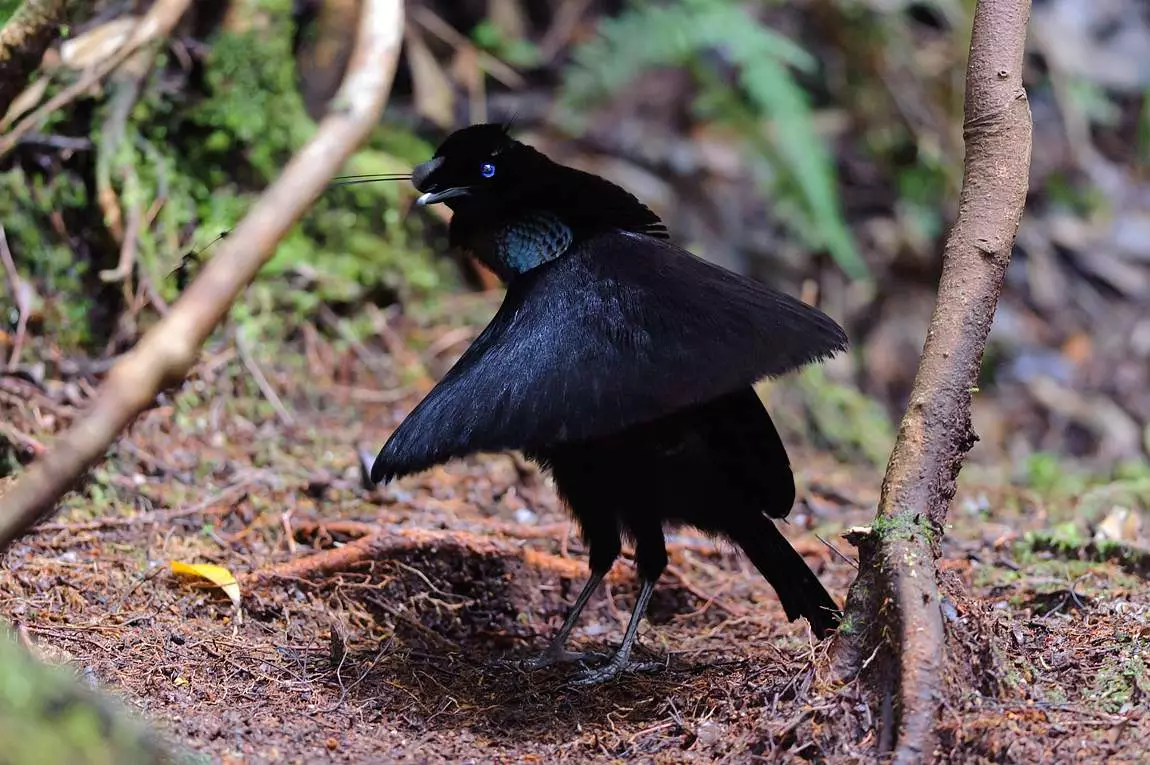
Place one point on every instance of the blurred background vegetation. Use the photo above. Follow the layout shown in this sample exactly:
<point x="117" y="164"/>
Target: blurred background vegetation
<point x="816" y="144"/>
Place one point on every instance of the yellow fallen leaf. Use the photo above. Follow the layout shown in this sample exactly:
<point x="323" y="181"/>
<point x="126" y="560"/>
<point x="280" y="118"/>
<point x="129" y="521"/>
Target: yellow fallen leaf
<point x="217" y="575"/>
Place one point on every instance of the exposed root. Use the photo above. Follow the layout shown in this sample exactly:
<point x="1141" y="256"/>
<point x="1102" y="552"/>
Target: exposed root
<point x="321" y="564"/>
<point x="375" y="543"/>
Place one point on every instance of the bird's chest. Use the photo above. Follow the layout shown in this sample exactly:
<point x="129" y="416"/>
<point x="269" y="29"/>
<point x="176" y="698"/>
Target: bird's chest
<point x="518" y="245"/>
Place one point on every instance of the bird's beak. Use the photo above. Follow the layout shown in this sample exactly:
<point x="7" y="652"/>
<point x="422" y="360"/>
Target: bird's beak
<point x="431" y="197"/>
<point x="422" y="180"/>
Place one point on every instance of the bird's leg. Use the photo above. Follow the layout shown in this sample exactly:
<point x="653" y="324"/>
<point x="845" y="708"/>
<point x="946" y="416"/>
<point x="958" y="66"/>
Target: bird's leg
<point x="650" y="560"/>
<point x="602" y="535"/>
<point x="621" y="661"/>
<point x="557" y="652"/>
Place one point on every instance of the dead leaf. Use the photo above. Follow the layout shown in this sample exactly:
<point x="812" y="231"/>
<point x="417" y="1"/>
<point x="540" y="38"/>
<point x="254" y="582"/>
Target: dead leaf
<point x="217" y="575"/>
<point x="1120" y="525"/>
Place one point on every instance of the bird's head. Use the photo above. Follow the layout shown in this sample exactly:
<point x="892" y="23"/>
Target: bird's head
<point x="473" y="166"/>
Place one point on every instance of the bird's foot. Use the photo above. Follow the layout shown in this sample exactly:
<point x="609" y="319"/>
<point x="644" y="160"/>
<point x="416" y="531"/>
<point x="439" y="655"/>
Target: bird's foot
<point x="557" y="654"/>
<point x="618" y="665"/>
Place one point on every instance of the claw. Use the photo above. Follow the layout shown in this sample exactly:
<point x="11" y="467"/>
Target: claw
<point x="621" y="661"/>
<point x="612" y="670"/>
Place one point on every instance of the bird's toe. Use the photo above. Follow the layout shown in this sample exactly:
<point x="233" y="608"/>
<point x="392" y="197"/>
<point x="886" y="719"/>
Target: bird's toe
<point x="612" y="670"/>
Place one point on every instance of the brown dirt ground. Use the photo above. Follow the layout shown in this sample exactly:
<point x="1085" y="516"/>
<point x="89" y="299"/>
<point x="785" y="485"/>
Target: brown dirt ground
<point x="409" y="657"/>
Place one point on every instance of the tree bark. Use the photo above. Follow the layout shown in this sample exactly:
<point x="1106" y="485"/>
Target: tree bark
<point x="26" y="36"/>
<point x="895" y="602"/>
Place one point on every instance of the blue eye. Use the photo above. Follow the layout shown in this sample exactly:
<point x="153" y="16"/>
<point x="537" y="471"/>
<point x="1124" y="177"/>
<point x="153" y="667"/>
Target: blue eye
<point x="487" y="170"/>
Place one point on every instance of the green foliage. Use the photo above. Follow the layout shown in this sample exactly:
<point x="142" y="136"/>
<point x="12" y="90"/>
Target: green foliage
<point x="1046" y="474"/>
<point x="523" y="53"/>
<point x="798" y="168"/>
<point x="920" y="187"/>
<point x="254" y="102"/>
<point x="1083" y="494"/>
<point x="208" y="153"/>
<point x="1065" y="538"/>
<point x="844" y="420"/>
<point x="27" y="203"/>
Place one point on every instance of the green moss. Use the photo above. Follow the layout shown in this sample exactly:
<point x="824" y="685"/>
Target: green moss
<point x="27" y="206"/>
<point x="47" y="718"/>
<point x="850" y="624"/>
<point x="904" y="527"/>
<point x="790" y="162"/>
<point x="1052" y="477"/>
<point x="208" y="153"/>
<point x="843" y="420"/>
<point x="1124" y="677"/>
<point x="1064" y="538"/>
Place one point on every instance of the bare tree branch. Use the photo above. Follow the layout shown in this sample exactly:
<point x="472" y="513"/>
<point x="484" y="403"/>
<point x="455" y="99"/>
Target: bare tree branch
<point x="26" y="36"/>
<point x="896" y="598"/>
<point x="166" y="353"/>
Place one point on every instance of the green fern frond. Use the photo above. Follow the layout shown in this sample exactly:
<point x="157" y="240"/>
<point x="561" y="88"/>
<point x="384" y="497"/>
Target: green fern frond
<point x="647" y="36"/>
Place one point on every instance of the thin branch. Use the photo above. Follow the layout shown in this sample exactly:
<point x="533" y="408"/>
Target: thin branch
<point x="897" y="594"/>
<point x="167" y="352"/>
<point x="19" y="299"/>
<point x="245" y="353"/>
<point x="26" y="36"/>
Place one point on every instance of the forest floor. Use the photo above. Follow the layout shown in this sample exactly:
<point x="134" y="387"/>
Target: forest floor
<point x="409" y="655"/>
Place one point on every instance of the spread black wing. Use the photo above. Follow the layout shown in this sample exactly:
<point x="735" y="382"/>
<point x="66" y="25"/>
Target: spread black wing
<point x="622" y="330"/>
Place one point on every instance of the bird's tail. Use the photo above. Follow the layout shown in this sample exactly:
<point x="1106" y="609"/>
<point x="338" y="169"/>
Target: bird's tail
<point x="799" y="590"/>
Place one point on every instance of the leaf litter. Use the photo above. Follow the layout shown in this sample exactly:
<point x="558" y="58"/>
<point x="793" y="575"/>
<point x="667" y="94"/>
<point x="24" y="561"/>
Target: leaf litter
<point x="387" y="623"/>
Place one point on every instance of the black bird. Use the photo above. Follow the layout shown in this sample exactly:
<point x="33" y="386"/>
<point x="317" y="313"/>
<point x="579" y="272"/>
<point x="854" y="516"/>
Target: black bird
<point x="623" y="363"/>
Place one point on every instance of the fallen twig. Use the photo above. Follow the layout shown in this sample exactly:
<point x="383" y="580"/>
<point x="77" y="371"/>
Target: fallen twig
<point x="28" y="442"/>
<point x="168" y="351"/>
<point x="257" y="374"/>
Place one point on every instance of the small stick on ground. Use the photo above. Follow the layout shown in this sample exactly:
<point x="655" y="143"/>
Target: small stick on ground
<point x="22" y="438"/>
<point x="261" y="380"/>
<point x="384" y="544"/>
<point x="354" y="529"/>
